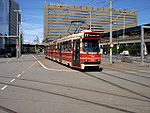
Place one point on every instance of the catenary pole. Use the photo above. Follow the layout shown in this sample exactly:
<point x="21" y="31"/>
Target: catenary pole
<point x="142" y="44"/>
<point x="110" y="31"/>
<point x="90" y="19"/>
<point x="17" y="51"/>
<point x="17" y="36"/>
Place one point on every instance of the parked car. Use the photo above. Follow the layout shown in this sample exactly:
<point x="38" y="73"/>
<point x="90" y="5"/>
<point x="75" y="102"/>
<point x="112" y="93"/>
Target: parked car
<point x="8" y="55"/>
<point x="125" y="53"/>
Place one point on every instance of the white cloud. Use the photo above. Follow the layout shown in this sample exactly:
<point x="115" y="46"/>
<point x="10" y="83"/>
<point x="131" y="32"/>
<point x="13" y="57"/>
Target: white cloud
<point x="34" y="31"/>
<point x="27" y="41"/>
<point x="31" y="30"/>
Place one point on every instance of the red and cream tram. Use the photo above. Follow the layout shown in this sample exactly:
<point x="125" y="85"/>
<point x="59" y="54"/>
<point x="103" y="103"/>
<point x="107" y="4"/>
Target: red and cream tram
<point x="78" y="50"/>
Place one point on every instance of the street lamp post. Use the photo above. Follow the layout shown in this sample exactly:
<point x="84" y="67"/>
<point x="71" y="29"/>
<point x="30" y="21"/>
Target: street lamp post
<point x="90" y="20"/>
<point x="124" y="21"/>
<point x="117" y="36"/>
<point x="111" y="27"/>
<point x="124" y="24"/>
<point x="18" y="37"/>
<point x="110" y="31"/>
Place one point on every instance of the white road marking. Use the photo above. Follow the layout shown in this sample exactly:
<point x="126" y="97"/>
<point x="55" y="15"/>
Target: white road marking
<point x="51" y="69"/>
<point x="12" y="80"/>
<point x="25" y="70"/>
<point x="31" y="65"/>
<point x="18" y="75"/>
<point x="4" y="87"/>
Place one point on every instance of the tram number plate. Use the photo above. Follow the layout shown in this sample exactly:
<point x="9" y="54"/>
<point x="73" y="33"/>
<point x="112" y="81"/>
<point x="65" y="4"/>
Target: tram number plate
<point x="91" y="35"/>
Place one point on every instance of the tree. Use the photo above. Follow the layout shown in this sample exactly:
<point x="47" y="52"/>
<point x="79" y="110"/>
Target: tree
<point x="36" y="40"/>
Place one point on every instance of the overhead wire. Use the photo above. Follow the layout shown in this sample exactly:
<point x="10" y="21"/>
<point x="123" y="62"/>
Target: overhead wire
<point x="109" y="4"/>
<point x="92" y="2"/>
<point x="141" y="10"/>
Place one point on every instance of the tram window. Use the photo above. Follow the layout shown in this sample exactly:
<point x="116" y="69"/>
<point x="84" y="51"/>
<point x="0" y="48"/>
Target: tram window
<point x="60" y="47"/>
<point x="63" y="47"/>
<point x="66" y="46"/>
<point x="69" y="46"/>
<point x="90" y="46"/>
<point x="51" y="47"/>
<point x="57" y="47"/>
<point x="54" y="47"/>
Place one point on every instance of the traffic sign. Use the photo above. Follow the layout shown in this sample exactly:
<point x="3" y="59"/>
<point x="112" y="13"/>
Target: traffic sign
<point x="17" y="46"/>
<point x="111" y="45"/>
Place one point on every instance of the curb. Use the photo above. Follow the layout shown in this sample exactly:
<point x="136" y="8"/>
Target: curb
<point x="51" y="69"/>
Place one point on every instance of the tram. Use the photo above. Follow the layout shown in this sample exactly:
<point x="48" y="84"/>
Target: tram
<point x="79" y="50"/>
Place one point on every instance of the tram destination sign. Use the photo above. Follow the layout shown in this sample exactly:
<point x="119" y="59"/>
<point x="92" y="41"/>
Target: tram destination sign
<point x="92" y="35"/>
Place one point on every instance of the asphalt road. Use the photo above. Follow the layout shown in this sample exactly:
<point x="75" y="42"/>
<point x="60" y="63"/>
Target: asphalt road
<point x="33" y="84"/>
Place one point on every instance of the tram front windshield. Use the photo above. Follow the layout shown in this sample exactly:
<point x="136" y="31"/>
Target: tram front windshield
<point x="90" y="46"/>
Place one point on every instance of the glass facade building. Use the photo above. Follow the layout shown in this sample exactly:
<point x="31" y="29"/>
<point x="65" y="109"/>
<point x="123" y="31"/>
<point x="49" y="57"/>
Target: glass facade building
<point x="4" y="17"/>
<point x="4" y="22"/>
<point x="8" y="25"/>
<point x="13" y="5"/>
<point x="58" y="17"/>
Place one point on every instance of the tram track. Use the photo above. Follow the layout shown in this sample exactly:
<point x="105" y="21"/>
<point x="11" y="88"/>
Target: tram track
<point x="7" y="109"/>
<point x="70" y="97"/>
<point x="145" y="85"/>
<point x="80" y="99"/>
<point x="79" y="88"/>
<point x="118" y="86"/>
<point x="148" y="86"/>
<point x="127" y="68"/>
<point x="110" y="106"/>
<point x="125" y="71"/>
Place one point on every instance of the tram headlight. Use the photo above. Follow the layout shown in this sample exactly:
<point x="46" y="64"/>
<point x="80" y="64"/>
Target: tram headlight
<point x="86" y="60"/>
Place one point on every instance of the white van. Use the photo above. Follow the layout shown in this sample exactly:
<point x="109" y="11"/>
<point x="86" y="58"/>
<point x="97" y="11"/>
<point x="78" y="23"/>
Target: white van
<point x="126" y="53"/>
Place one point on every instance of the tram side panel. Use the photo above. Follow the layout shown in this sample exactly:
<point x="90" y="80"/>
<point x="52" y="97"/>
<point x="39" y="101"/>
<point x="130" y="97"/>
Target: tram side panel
<point x="70" y="52"/>
<point x="75" y="57"/>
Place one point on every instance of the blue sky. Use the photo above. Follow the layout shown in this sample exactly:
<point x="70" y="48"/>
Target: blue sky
<point x="32" y="13"/>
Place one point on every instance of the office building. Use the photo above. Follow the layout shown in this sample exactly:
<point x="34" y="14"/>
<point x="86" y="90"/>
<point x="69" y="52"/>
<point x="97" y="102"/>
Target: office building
<point x="58" y="17"/>
<point x="4" y="25"/>
<point x="8" y="23"/>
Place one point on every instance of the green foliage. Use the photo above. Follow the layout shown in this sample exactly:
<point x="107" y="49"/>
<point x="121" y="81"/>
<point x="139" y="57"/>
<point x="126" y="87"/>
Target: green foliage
<point x="122" y="47"/>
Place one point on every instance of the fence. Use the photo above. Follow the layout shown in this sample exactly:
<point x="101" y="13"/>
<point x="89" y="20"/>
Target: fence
<point x="128" y="59"/>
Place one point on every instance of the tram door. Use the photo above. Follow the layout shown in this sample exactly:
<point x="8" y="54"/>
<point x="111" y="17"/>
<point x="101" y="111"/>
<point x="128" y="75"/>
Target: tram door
<point x="60" y="52"/>
<point x="76" y="53"/>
